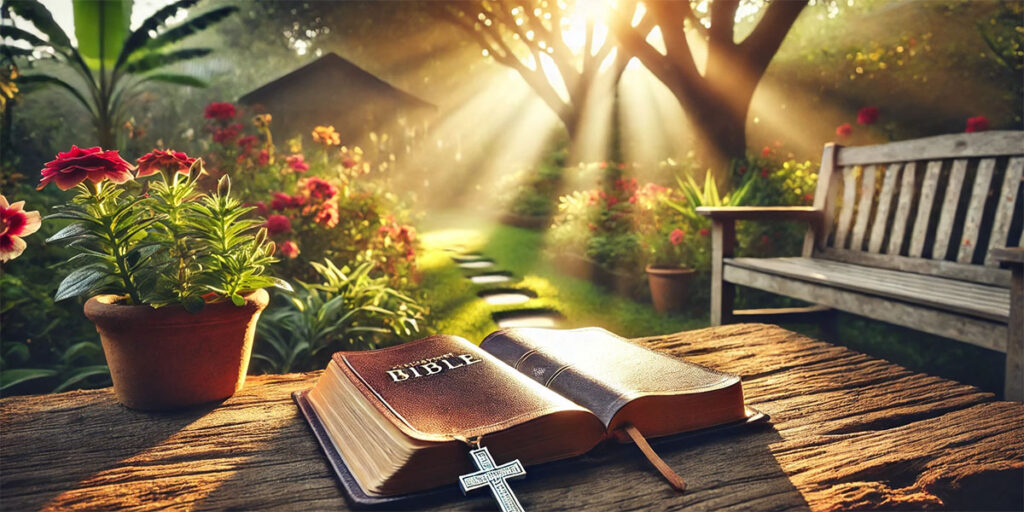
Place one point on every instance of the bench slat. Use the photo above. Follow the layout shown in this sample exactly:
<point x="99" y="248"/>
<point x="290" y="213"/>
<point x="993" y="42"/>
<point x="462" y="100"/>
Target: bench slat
<point x="884" y="204"/>
<point x="949" y="207"/>
<point x="979" y="332"/>
<point x="971" y="299"/>
<point x="949" y="269"/>
<point x="975" y="210"/>
<point x="958" y="145"/>
<point x="924" y="208"/>
<point x="846" y="213"/>
<point x="1004" y="209"/>
<point x="867" y="197"/>
<point x="899" y="223"/>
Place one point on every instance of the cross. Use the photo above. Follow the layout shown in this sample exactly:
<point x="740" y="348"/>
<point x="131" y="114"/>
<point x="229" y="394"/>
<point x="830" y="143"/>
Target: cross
<point x="495" y="477"/>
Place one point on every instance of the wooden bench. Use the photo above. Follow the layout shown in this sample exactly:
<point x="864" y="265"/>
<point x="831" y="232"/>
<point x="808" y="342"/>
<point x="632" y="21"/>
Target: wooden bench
<point x="911" y="233"/>
<point x="848" y="432"/>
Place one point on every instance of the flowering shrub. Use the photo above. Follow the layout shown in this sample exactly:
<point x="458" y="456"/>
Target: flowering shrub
<point x="332" y="207"/>
<point x="169" y="245"/>
<point x="976" y="124"/>
<point x="787" y="183"/>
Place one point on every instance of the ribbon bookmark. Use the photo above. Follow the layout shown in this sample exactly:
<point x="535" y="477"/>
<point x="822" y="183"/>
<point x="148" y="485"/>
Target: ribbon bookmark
<point x="674" y="480"/>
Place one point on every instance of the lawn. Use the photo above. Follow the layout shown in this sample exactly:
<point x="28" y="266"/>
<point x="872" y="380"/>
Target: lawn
<point x="456" y="309"/>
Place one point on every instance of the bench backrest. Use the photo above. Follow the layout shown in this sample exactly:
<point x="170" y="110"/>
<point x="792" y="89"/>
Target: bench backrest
<point x="935" y="205"/>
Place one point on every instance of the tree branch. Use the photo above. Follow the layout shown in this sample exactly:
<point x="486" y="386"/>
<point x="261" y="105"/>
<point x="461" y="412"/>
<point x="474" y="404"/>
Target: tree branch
<point x="762" y="44"/>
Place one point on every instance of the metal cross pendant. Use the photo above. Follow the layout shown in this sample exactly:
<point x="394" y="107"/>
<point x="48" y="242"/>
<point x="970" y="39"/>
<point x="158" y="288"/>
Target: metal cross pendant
<point x="495" y="477"/>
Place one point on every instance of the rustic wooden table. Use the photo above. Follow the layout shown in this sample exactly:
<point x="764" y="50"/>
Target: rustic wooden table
<point x="850" y="432"/>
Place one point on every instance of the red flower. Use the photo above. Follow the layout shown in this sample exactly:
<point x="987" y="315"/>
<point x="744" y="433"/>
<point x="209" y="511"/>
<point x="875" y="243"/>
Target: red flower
<point x="327" y="215"/>
<point x="220" y="110"/>
<point x="282" y="201"/>
<point x="703" y="231"/>
<point x="977" y="124"/>
<point x="227" y="134"/>
<point x="297" y="163"/>
<point x="261" y="208"/>
<point x="844" y="130"/>
<point x="742" y="170"/>
<point x="621" y="166"/>
<point x="318" y="188"/>
<point x="765" y="151"/>
<point x="602" y="165"/>
<point x="867" y="115"/>
<point x="248" y="141"/>
<point x="15" y="223"/>
<point x="278" y="224"/>
<point x="289" y="249"/>
<point x="263" y="158"/>
<point x="676" y="236"/>
<point x="78" y="165"/>
<point x="161" y="160"/>
<point x="765" y="173"/>
<point x="808" y="198"/>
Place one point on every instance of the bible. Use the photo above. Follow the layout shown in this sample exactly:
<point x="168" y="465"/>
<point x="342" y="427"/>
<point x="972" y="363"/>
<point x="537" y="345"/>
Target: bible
<point x="398" y="421"/>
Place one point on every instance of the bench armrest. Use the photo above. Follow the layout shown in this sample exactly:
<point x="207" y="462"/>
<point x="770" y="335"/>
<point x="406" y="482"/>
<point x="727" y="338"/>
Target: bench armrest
<point x="767" y="213"/>
<point x="1011" y="255"/>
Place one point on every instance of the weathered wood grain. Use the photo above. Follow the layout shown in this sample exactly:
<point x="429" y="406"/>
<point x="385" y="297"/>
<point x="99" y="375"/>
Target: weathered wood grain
<point x="884" y="203"/>
<point x="924" y="208"/>
<point x="867" y="198"/>
<point x="850" y="432"/>
<point x="975" y="211"/>
<point x="959" y="145"/>
<point x="1007" y="198"/>
<point x="899" y="222"/>
<point x="846" y="210"/>
<point x="949" y="207"/>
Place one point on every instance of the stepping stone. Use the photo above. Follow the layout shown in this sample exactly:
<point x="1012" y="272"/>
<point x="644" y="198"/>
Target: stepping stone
<point x="481" y="263"/>
<point x="506" y="296"/>
<point x="537" y="317"/>
<point x="500" y="276"/>
<point x="468" y="257"/>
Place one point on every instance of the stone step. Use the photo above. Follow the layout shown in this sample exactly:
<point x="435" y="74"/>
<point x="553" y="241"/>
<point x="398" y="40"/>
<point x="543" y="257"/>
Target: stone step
<point x="498" y="276"/>
<point x="506" y="296"/>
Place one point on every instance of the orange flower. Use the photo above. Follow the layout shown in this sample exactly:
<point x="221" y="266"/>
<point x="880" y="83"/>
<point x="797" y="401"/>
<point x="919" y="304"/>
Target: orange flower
<point x="326" y="135"/>
<point x="261" y="120"/>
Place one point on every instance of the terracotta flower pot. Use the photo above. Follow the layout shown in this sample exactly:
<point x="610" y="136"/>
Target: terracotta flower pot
<point x="168" y="358"/>
<point x="669" y="286"/>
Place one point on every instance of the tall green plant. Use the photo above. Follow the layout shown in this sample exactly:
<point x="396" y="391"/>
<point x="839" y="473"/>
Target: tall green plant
<point x="706" y="195"/>
<point x="110" y="61"/>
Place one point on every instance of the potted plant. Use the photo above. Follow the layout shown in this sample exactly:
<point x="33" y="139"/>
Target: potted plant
<point x="175" y="276"/>
<point x="665" y="243"/>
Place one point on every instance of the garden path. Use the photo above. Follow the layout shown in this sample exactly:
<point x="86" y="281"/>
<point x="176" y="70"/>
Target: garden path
<point x="500" y="296"/>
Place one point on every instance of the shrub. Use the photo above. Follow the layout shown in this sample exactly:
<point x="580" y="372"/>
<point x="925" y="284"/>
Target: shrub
<point x="347" y="310"/>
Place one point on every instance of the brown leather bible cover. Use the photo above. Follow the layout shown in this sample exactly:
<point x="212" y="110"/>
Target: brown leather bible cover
<point x="444" y="387"/>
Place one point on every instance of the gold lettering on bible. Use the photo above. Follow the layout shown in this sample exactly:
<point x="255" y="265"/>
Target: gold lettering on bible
<point x="431" y="366"/>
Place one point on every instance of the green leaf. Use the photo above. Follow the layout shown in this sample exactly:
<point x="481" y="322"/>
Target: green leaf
<point x="237" y="300"/>
<point x="70" y="231"/>
<point x="79" y="282"/>
<point x="81" y="374"/>
<point x="21" y="35"/>
<point x="177" y="79"/>
<point x="194" y="304"/>
<point x="154" y="61"/>
<point x="188" y="27"/>
<point x="40" y="17"/>
<point x="141" y="35"/>
<point x="10" y="378"/>
<point x="52" y="80"/>
<point x="101" y="27"/>
<point x="82" y="348"/>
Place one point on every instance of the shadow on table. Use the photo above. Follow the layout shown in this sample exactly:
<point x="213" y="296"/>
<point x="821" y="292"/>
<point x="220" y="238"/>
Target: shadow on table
<point x="51" y="451"/>
<point x="736" y="470"/>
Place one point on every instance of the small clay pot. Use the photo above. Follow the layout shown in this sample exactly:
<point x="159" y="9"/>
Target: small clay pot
<point x="669" y="286"/>
<point x="167" y="358"/>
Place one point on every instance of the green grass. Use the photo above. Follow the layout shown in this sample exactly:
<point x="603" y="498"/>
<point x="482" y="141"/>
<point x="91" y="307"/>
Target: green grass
<point x="456" y="309"/>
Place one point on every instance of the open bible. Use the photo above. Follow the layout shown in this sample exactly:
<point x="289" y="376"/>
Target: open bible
<point x="397" y="420"/>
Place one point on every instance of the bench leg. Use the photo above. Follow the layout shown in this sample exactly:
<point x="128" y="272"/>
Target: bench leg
<point x="829" y="325"/>
<point x="723" y="240"/>
<point x="1014" y="387"/>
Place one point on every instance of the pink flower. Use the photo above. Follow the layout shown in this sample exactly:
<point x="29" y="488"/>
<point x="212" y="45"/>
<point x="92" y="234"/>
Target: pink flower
<point x="278" y="224"/>
<point x="297" y="163"/>
<point x="282" y="201"/>
<point x="867" y="115"/>
<point x="977" y="124"/>
<point x="765" y="173"/>
<point x="228" y="134"/>
<point x="703" y="231"/>
<point x="220" y="110"/>
<point x="318" y="188"/>
<point x="15" y="223"/>
<point x="263" y="158"/>
<point x="78" y="165"/>
<point x="676" y="236"/>
<point x="844" y="130"/>
<point x="327" y="215"/>
<point x="248" y="141"/>
<point x="160" y="160"/>
<point x="289" y="249"/>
